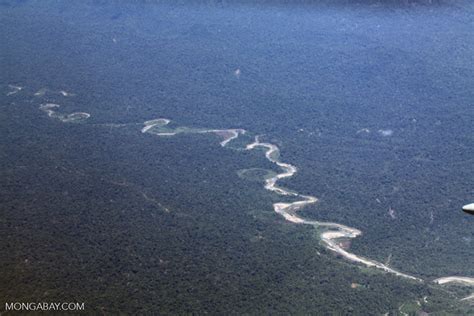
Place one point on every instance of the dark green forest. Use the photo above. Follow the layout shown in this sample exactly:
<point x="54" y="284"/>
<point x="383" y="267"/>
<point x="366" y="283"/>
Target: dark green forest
<point x="375" y="116"/>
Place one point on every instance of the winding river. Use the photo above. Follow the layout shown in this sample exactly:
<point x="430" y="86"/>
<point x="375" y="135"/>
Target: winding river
<point x="334" y="231"/>
<point x="330" y="233"/>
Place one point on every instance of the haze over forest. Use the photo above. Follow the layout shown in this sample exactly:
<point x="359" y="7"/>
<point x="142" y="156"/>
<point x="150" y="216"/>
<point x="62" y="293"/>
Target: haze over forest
<point x="238" y="157"/>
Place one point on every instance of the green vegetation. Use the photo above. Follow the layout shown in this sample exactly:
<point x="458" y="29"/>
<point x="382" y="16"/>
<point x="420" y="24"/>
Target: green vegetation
<point x="130" y="222"/>
<point x="256" y="174"/>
